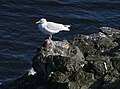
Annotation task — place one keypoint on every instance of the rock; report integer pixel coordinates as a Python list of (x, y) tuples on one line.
[(111, 32), (116, 62), (83, 63), (56, 57), (112, 80), (81, 79), (99, 65), (87, 47), (31, 72), (58, 64), (94, 44)]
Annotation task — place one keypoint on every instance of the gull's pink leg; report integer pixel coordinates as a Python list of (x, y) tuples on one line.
[(49, 41)]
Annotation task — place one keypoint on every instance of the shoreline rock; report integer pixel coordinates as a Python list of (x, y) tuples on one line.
[(83, 63)]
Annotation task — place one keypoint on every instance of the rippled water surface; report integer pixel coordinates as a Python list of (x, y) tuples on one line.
[(19, 35)]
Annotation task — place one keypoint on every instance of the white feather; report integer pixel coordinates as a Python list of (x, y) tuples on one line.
[(50, 28)]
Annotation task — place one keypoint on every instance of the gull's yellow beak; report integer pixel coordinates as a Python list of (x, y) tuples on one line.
[(37, 22)]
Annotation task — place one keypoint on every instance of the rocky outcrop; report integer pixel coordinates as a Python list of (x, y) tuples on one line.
[(87, 62)]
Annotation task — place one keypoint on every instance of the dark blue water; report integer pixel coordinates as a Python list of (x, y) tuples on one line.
[(19, 35)]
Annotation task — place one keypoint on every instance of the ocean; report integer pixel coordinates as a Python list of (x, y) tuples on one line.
[(20, 37)]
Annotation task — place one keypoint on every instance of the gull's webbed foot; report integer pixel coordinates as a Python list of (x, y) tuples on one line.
[(48, 41)]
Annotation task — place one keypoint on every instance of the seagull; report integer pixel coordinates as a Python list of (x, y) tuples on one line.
[(50, 28)]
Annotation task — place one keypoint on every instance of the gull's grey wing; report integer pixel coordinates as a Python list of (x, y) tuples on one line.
[(54, 26)]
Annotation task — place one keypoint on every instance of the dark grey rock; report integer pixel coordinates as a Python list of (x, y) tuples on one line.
[(87, 47), (94, 44), (81, 64), (112, 80), (99, 65), (81, 79), (56, 57), (111, 32), (60, 62), (116, 63)]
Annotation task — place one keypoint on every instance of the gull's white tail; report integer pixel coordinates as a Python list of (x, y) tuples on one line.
[(66, 28)]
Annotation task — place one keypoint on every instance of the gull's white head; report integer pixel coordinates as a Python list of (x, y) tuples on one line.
[(41, 21)]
